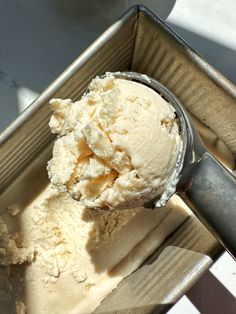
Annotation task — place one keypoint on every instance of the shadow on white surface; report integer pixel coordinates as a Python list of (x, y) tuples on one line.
[(211, 297), (39, 39), (221, 57), (38, 43)]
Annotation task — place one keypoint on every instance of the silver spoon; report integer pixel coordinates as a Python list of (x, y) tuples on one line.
[(203, 182)]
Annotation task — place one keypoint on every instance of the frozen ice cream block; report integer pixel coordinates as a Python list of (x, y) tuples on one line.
[(116, 145)]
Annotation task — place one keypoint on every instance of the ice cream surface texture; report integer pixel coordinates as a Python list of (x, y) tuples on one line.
[(58, 257), (117, 146), (118, 143)]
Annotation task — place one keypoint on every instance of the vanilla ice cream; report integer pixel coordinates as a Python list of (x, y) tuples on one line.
[(119, 143), (117, 146), (58, 257)]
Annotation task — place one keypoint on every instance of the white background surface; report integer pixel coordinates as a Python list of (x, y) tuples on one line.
[(39, 39)]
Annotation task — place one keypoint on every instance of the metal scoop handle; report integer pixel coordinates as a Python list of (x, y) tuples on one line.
[(206, 185), (211, 194)]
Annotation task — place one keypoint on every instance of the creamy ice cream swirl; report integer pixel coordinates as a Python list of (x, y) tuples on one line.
[(117, 146)]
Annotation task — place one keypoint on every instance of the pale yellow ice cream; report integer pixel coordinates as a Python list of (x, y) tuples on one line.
[(117, 146), (119, 142), (58, 257)]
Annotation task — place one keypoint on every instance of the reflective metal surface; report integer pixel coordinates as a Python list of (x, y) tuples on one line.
[(209, 187), (210, 191)]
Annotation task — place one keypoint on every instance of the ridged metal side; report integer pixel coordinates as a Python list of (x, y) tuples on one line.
[(152, 288), (30, 134), (24, 145), (203, 90)]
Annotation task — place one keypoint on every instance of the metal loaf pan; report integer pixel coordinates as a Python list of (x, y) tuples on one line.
[(141, 42)]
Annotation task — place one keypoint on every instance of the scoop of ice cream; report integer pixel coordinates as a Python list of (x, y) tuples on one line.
[(117, 146)]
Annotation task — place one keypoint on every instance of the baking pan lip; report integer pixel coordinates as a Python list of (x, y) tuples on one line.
[(214, 74), (195, 57)]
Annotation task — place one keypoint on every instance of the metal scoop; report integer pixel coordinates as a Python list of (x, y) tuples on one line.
[(201, 181)]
